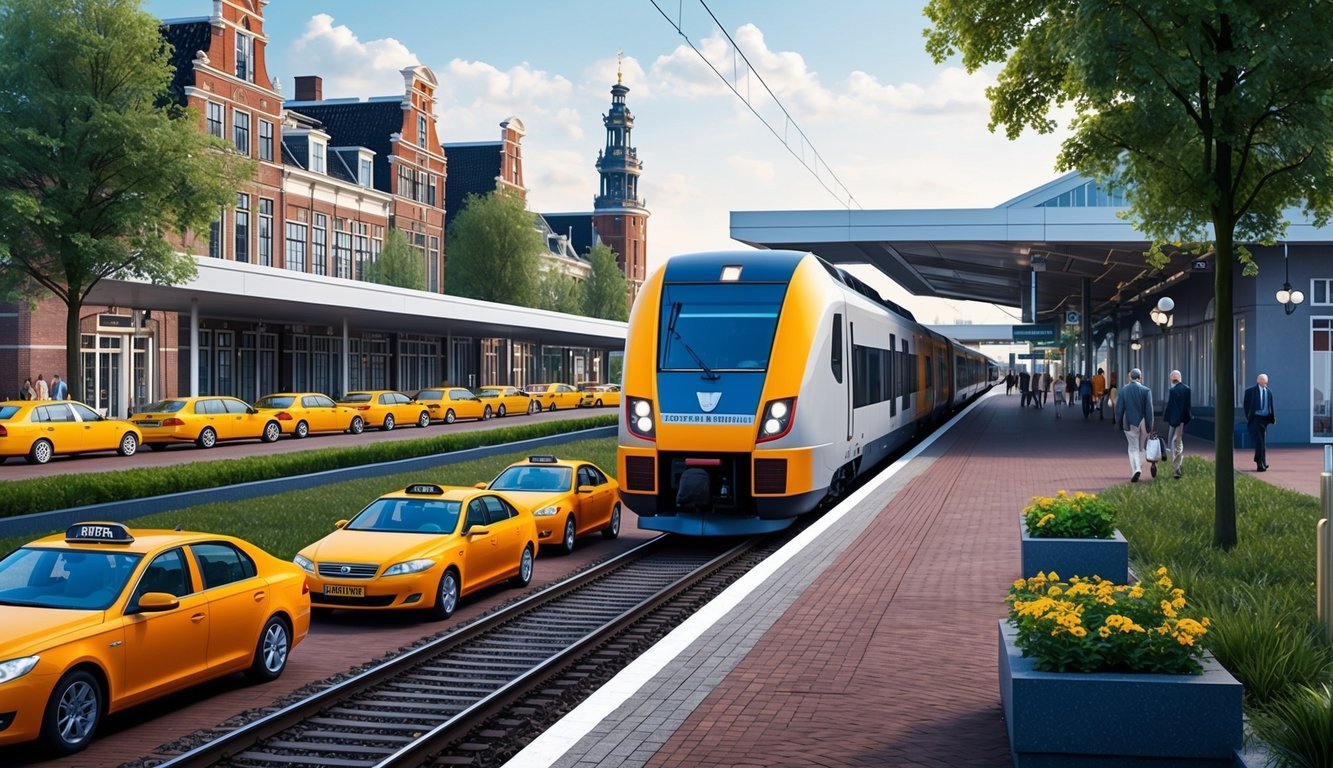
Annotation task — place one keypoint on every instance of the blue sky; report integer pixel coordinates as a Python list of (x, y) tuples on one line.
[(898, 130)]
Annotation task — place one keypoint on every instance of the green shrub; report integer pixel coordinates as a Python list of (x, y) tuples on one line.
[(1064, 516), (1255, 642), (1299, 728)]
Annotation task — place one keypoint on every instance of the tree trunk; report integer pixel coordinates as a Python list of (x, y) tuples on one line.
[(1224, 373), (73, 375)]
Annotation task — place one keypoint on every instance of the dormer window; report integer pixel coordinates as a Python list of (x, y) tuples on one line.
[(317, 154), (245, 48), (365, 172)]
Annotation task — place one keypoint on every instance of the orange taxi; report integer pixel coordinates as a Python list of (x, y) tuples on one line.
[(39, 429), (450, 404), (103, 617), (203, 421), (568, 498), (300, 413), (507, 401), (599, 395), (553, 396), (385, 409), (423, 547)]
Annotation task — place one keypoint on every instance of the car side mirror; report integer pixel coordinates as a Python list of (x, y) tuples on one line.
[(477, 531), (482, 486), (152, 602), (585, 489), (252, 411), (340, 524)]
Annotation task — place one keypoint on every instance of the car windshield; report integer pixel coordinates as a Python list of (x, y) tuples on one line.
[(164, 406), (535, 388), (429, 394), (61, 578), (276, 401), (530, 478), (397, 515), (721, 327), (356, 397)]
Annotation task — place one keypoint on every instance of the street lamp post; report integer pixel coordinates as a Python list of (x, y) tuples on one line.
[(1287, 297), (1161, 314)]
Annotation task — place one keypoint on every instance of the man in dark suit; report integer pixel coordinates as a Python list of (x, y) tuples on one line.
[(1134, 415), (1259, 413), (1177, 414)]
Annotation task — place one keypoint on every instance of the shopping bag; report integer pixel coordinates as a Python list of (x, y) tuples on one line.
[(1153, 452)]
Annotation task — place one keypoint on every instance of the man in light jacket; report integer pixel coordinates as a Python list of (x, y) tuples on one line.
[(1177, 414), (1133, 412)]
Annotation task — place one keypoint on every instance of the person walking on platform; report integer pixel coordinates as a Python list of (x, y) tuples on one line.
[(1059, 393), (1085, 395), (1177, 414), (1023, 393), (1099, 392), (1133, 412), (1259, 413), (1108, 400), (1045, 391), (1071, 387), (1009, 381)]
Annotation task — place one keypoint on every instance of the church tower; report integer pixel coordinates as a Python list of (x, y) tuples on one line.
[(619, 215)]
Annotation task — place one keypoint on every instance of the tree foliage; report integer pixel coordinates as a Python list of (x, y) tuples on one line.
[(1213, 115), (94, 170), (558, 292), (493, 251), (606, 293), (398, 264)]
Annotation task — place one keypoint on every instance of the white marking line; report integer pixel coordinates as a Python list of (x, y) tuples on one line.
[(561, 737)]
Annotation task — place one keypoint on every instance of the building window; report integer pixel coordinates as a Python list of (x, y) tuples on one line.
[(317, 163), (240, 131), (242, 227), (1321, 376), (430, 192), (1321, 292), (433, 266), (376, 242), (215, 114), (342, 249), (215, 236), (366, 173), (296, 246), (319, 245), (265, 140), (404, 181), (265, 232), (421, 131), (244, 55), (362, 248)]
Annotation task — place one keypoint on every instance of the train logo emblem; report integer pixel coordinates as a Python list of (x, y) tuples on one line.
[(708, 400)]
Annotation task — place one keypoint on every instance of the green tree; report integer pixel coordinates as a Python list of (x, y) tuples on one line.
[(494, 251), (1213, 115), (398, 264), (606, 294), (558, 292), (94, 169)]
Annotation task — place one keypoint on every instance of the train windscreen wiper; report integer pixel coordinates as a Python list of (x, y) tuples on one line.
[(673, 334)]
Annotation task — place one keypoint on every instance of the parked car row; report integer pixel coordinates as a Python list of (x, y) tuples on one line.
[(104, 617), (41, 429)]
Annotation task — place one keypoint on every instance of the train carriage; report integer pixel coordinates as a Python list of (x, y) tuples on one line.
[(759, 383)]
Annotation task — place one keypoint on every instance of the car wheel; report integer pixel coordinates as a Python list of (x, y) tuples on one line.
[(449, 416), (129, 444), (612, 529), (272, 431), (158, 446), (423, 420), (72, 713), (387, 426), (40, 452), (446, 597), (567, 541), (357, 426), (533, 407), (500, 411), (552, 408), (597, 404), (486, 416), (275, 642), (524, 576), (302, 430), (207, 438)]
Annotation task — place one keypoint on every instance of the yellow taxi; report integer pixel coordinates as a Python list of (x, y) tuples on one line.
[(423, 547), (599, 395), (449, 404), (300, 413), (507, 401), (385, 409), (103, 617), (568, 498), (553, 396), (40, 429), (203, 421)]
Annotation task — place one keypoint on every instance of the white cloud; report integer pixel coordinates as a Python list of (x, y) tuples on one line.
[(349, 66)]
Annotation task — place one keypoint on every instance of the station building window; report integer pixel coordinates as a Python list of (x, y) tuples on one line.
[(240, 131), (258, 367), (214, 119), (361, 247), (342, 249), (418, 362), (265, 232), (296, 242), (462, 362), (1321, 378), (265, 140)]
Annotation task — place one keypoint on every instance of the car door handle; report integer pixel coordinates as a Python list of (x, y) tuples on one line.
[(260, 595), (198, 617)]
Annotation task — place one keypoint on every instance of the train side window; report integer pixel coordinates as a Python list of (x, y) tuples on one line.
[(836, 360)]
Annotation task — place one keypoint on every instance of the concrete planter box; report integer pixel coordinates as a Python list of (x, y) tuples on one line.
[(1117, 719), (1108, 558)]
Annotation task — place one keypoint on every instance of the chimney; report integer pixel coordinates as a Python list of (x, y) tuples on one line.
[(309, 88)]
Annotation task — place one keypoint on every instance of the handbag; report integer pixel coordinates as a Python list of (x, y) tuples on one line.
[(1155, 449)]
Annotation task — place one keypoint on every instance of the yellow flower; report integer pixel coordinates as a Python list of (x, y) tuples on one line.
[(1054, 592), (1020, 583), (1168, 610), (1104, 632), (1161, 570), (1136, 592), (1046, 519), (1078, 631)]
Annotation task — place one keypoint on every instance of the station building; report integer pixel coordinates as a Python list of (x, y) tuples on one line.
[(280, 301), (1064, 255)]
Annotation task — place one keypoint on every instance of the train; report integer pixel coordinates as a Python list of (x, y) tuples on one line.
[(759, 384)]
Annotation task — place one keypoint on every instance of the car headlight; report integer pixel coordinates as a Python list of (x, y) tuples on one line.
[(639, 417), (16, 668), (547, 511), (411, 566), (777, 416), (306, 563)]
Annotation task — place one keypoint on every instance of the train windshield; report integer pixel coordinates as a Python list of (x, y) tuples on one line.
[(718, 327)]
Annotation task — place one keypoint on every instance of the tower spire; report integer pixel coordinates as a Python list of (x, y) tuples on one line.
[(620, 55)]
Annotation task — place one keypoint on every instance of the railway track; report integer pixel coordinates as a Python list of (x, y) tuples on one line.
[(400, 712)]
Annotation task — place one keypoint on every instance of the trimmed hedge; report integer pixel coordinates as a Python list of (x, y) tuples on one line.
[(21, 497)]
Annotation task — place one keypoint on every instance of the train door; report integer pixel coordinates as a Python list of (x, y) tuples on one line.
[(841, 373)]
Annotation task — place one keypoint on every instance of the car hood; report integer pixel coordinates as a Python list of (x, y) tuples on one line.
[(534, 500), (29, 629), (376, 546)]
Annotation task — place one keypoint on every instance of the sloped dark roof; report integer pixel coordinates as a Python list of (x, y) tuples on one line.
[(343, 163), (360, 124), (472, 170), (186, 39), (295, 150), (577, 226)]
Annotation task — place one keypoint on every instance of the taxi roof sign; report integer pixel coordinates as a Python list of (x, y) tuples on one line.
[(425, 488), (542, 459), (98, 533)]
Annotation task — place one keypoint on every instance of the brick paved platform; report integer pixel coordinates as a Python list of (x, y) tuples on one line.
[(875, 644)]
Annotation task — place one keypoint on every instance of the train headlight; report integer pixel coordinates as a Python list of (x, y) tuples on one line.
[(639, 418), (777, 419)]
